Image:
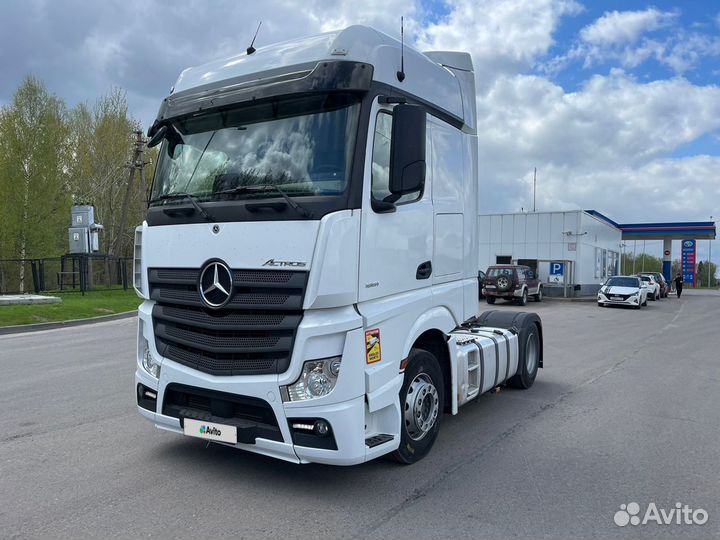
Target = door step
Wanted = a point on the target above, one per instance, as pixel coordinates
(377, 440)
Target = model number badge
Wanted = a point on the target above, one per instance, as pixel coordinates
(273, 262)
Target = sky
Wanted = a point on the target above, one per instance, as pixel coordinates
(616, 103)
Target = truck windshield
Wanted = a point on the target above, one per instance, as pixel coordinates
(302, 145)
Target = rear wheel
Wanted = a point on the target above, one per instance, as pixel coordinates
(421, 404)
(529, 358)
(524, 298)
(490, 299)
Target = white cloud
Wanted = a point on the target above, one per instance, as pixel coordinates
(611, 137)
(504, 36)
(620, 37)
(620, 27)
(687, 51)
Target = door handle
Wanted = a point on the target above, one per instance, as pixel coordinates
(424, 270)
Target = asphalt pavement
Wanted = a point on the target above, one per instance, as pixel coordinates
(626, 410)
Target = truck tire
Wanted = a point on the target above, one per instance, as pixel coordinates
(522, 301)
(421, 406)
(529, 330)
(529, 359)
(490, 299)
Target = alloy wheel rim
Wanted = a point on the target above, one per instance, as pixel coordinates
(422, 406)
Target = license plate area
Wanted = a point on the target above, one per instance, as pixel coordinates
(617, 298)
(210, 431)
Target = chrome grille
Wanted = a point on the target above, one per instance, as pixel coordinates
(252, 335)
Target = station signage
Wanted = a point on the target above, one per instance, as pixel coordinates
(689, 256)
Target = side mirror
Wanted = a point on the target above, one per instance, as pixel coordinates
(157, 137)
(407, 153)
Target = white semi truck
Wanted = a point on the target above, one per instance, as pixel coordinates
(309, 261)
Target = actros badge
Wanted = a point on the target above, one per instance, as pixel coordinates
(273, 262)
(215, 284)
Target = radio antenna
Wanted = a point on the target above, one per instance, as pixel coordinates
(252, 49)
(401, 73)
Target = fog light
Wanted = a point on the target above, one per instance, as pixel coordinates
(148, 362)
(322, 428)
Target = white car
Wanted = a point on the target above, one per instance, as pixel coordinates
(653, 287)
(623, 291)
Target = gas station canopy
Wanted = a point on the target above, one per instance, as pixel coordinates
(699, 230)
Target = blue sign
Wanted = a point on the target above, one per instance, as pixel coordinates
(557, 268)
(689, 255)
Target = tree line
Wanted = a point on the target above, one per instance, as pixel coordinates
(647, 263)
(52, 157)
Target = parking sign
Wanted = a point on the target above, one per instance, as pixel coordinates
(557, 271)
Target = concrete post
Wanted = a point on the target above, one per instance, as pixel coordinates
(667, 260)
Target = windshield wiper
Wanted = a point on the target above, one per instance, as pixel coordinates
(304, 212)
(188, 196)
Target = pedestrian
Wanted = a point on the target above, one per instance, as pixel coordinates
(678, 284)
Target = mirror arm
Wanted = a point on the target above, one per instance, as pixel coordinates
(382, 207)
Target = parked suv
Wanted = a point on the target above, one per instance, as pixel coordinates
(511, 282)
(653, 287)
(664, 287)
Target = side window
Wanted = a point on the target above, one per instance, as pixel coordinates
(380, 172)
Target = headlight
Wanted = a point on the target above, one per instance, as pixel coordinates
(317, 379)
(148, 362)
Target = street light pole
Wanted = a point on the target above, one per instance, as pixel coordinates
(534, 186)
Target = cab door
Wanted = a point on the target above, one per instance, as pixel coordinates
(396, 247)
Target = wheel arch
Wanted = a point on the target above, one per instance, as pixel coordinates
(430, 333)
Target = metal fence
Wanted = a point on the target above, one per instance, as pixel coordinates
(80, 273)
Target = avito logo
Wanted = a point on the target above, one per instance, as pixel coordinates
(210, 430)
(682, 514)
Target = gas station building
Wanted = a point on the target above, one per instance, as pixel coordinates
(574, 252)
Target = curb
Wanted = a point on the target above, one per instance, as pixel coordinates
(25, 328)
(576, 299)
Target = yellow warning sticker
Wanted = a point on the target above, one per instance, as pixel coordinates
(372, 346)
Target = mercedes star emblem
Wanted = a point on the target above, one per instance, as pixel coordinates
(215, 284)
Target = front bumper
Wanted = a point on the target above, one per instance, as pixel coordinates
(344, 408)
(632, 301)
(504, 294)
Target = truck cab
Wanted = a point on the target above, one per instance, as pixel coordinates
(308, 264)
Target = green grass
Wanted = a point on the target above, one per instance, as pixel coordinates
(73, 306)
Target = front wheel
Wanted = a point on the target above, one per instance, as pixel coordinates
(421, 406)
(539, 296)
